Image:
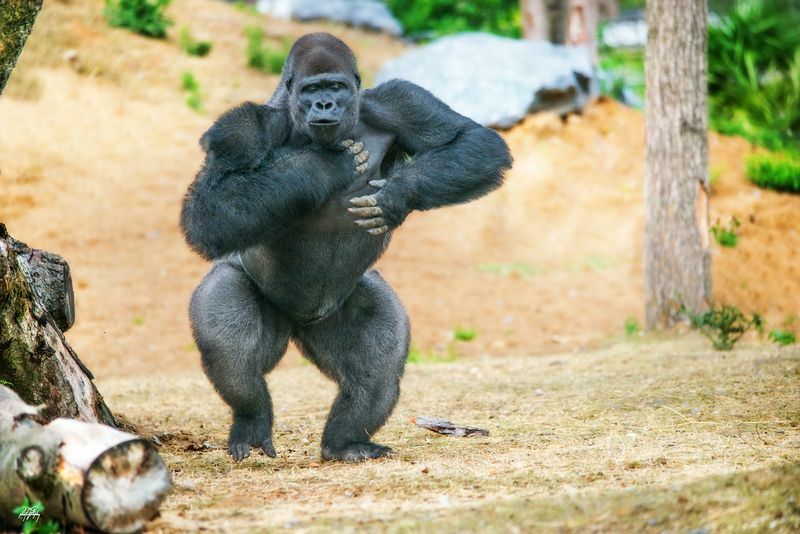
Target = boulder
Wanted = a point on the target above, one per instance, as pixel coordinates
(370, 14)
(496, 81)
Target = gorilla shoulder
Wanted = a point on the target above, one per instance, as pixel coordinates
(243, 136)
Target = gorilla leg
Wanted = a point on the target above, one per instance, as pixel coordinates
(363, 347)
(241, 337)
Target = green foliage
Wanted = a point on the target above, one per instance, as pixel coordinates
(262, 57)
(623, 69)
(464, 334)
(193, 97)
(726, 235)
(782, 337)
(632, 327)
(192, 46)
(32, 525)
(6, 382)
(145, 17)
(427, 19)
(772, 171)
(754, 74)
(723, 325)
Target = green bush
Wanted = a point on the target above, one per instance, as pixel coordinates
(723, 325)
(464, 334)
(192, 46)
(141, 16)
(431, 18)
(260, 56)
(754, 73)
(774, 172)
(782, 337)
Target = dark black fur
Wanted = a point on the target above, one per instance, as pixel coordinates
(272, 207)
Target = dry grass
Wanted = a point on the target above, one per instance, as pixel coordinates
(604, 428)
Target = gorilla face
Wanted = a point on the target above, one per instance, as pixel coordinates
(325, 106)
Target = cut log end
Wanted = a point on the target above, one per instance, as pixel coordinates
(30, 464)
(124, 487)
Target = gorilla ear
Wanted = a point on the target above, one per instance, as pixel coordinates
(358, 80)
(289, 83)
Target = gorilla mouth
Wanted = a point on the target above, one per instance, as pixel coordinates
(324, 122)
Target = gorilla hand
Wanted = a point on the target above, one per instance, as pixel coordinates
(360, 156)
(379, 212)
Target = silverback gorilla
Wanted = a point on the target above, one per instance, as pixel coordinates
(295, 202)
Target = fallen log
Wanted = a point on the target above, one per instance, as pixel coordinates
(35, 359)
(84, 474)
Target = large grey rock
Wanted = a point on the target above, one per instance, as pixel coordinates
(370, 14)
(496, 81)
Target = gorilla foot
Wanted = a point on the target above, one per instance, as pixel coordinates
(356, 452)
(247, 432)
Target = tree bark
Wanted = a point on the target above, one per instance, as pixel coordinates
(545, 20)
(676, 244)
(35, 359)
(84, 474)
(16, 23)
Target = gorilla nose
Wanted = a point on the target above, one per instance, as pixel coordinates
(323, 105)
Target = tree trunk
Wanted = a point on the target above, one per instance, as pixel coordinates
(84, 474)
(677, 263)
(545, 20)
(35, 359)
(16, 23)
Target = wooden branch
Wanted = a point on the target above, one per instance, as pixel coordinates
(84, 474)
(34, 356)
(16, 23)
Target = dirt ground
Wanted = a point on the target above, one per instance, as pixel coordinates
(570, 436)
(96, 152)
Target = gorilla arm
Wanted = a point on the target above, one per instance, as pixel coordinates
(251, 188)
(453, 159)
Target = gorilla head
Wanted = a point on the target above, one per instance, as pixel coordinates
(321, 84)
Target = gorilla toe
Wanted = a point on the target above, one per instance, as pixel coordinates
(356, 452)
(247, 432)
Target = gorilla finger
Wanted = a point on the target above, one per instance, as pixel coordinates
(239, 451)
(356, 147)
(366, 212)
(268, 449)
(378, 231)
(377, 183)
(361, 169)
(347, 143)
(364, 201)
(362, 157)
(370, 223)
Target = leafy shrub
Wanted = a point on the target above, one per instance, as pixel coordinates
(426, 19)
(632, 327)
(723, 325)
(262, 57)
(31, 525)
(192, 46)
(782, 337)
(145, 17)
(754, 73)
(774, 172)
(726, 235)
(193, 97)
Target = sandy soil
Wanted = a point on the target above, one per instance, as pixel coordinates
(95, 155)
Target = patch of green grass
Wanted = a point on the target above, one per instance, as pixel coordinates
(774, 171)
(192, 46)
(624, 69)
(525, 270)
(417, 355)
(632, 327)
(262, 57)
(782, 337)
(464, 334)
(145, 17)
(191, 86)
(715, 173)
(726, 235)
(138, 320)
(723, 325)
